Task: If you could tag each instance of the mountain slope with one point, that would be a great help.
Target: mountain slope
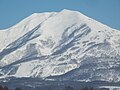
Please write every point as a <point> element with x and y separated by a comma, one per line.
<point>60,45</point>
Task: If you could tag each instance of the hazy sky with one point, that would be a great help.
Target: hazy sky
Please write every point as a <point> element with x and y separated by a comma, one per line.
<point>105,11</point>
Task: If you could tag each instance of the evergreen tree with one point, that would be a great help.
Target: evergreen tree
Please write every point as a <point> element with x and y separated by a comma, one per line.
<point>5,88</point>
<point>69,88</point>
<point>1,88</point>
<point>17,88</point>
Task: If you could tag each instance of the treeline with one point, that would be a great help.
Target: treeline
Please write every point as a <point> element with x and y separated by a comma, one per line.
<point>65,88</point>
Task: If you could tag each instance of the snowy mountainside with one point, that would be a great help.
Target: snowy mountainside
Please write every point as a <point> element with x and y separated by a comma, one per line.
<point>60,45</point>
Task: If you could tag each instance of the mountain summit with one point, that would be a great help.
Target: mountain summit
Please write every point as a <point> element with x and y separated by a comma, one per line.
<point>64,45</point>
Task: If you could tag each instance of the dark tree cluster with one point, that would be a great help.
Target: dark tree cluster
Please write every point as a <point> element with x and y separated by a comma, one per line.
<point>3,88</point>
<point>69,88</point>
<point>87,88</point>
<point>6,88</point>
<point>84,88</point>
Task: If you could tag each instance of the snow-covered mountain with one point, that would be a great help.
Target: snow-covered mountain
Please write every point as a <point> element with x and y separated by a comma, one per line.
<point>60,45</point>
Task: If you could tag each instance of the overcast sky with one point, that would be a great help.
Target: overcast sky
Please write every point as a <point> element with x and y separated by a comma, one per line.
<point>105,11</point>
